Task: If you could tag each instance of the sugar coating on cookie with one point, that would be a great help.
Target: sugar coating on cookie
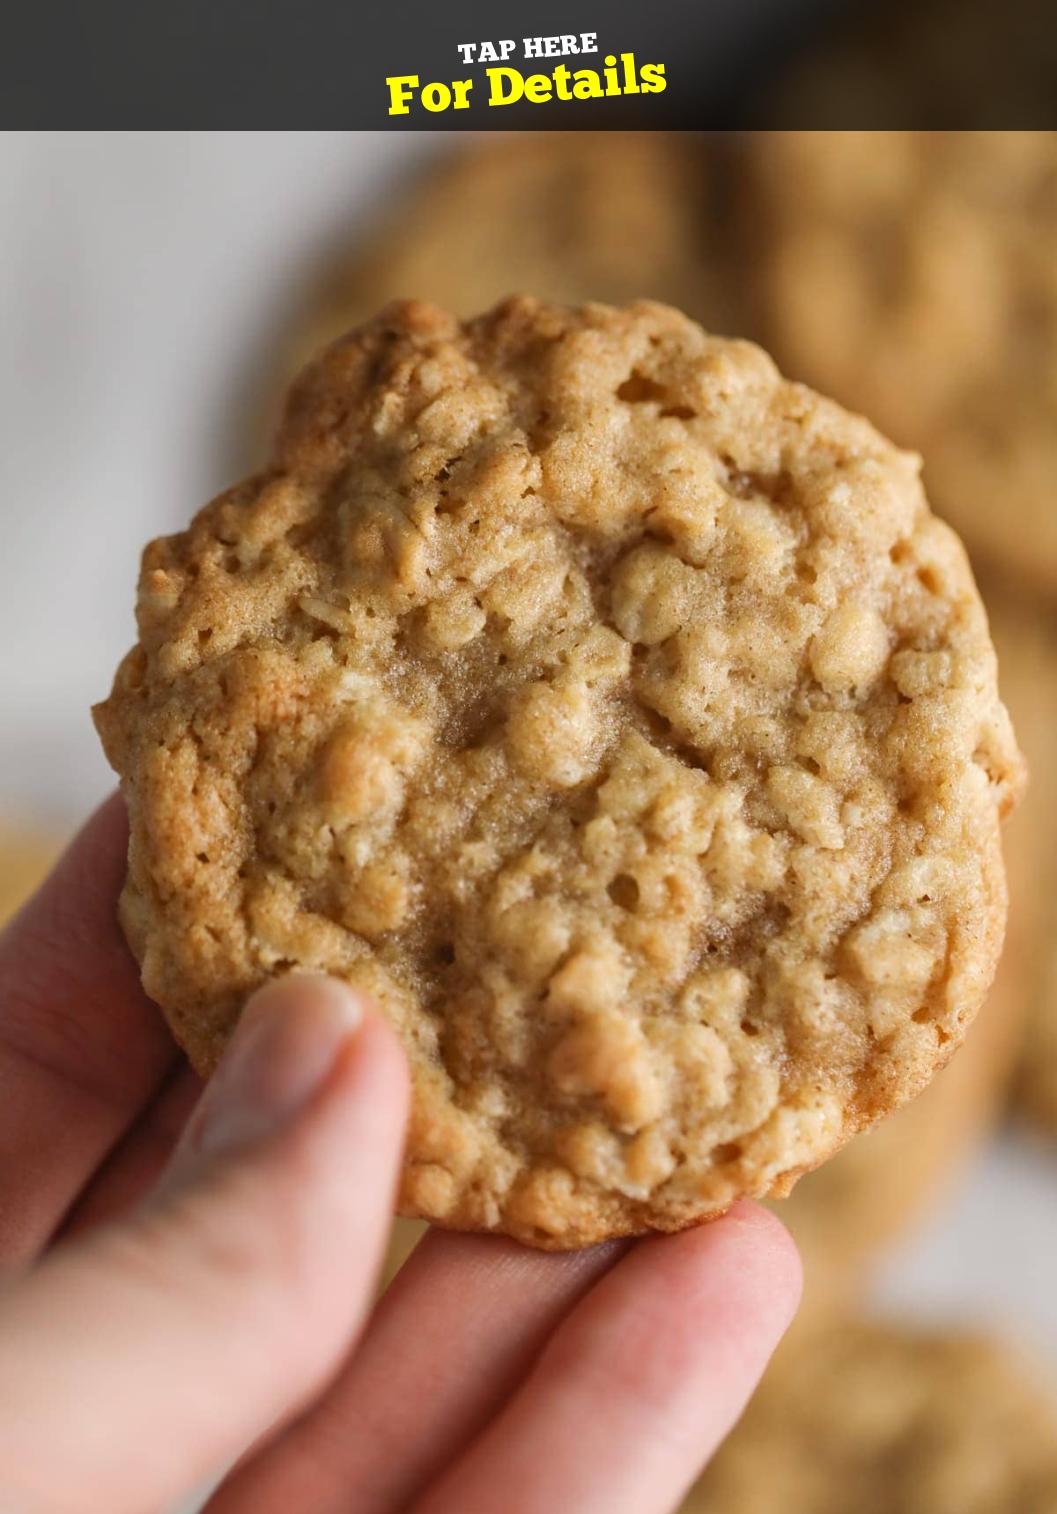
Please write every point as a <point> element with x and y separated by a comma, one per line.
<point>614,712</point>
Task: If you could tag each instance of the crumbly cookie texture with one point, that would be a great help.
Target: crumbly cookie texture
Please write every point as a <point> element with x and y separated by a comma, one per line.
<point>612,711</point>
<point>875,1418</point>
<point>913,275</point>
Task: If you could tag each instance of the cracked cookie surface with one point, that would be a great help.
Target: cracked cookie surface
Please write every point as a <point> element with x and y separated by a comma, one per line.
<point>613,711</point>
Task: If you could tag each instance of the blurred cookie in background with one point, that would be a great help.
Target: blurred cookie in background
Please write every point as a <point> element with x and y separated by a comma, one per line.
<point>566,216</point>
<point>1035,1090</point>
<point>403,1238</point>
<point>1025,639</point>
<point>25,857</point>
<point>913,275</point>
<point>872,1418</point>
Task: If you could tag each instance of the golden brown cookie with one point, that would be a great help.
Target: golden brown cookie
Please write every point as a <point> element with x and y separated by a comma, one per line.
<point>913,275</point>
<point>875,1419</point>
<point>612,710</point>
<point>567,216</point>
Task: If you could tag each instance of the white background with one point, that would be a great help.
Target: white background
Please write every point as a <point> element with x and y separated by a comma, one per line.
<point>144,281</point>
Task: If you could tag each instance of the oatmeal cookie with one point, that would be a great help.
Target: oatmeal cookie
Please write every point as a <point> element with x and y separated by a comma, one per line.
<point>913,275</point>
<point>871,1418</point>
<point>616,714</point>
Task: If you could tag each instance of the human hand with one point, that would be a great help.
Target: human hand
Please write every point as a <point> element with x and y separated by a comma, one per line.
<point>190,1275</point>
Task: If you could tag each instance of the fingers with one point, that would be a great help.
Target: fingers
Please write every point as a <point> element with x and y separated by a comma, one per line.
<point>642,1381</point>
<point>155,1351</point>
<point>134,1166</point>
<point>465,1321</point>
<point>81,1047</point>
<point>454,1334</point>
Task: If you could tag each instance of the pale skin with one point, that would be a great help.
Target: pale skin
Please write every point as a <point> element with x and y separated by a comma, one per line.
<point>190,1275</point>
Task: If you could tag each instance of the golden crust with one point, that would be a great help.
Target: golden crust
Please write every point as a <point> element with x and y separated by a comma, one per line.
<point>615,713</point>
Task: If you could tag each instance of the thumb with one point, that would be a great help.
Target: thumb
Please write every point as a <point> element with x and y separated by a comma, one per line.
<point>134,1364</point>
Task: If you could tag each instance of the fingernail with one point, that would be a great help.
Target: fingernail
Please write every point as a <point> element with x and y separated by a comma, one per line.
<point>288,1040</point>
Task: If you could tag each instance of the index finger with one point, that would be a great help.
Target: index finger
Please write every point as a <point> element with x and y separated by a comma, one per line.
<point>82,1049</point>
<point>641,1382</point>
<point>449,1342</point>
